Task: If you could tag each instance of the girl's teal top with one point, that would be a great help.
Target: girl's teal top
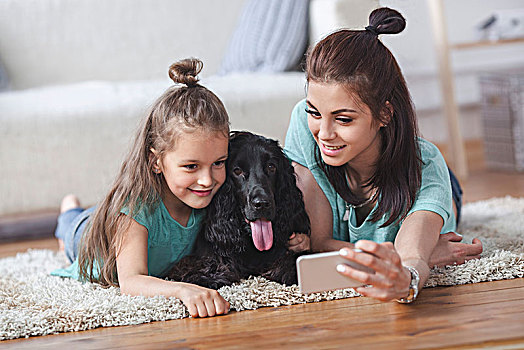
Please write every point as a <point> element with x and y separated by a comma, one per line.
<point>167,240</point>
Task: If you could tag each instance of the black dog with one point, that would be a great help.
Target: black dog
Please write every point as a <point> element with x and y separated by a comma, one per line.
<point>250,219</point>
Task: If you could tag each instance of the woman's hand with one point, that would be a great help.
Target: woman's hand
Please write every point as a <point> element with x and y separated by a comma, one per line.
<point>391,279</point>
<point>298,242</point>
<point>449,250</point>
<point>202,302</point>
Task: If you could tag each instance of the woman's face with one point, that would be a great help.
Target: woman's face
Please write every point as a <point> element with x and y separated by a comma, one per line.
<point>342,126</point>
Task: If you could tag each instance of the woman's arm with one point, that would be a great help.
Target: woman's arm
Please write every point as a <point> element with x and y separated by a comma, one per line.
<point>450,250</point>
<point>134,279</point>
<point>413,246</point>
<point>417,239</point>
<point>319,212</point>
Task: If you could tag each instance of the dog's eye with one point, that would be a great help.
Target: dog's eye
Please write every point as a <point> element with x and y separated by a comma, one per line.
<point>238,171</point>
<point>271,168</point>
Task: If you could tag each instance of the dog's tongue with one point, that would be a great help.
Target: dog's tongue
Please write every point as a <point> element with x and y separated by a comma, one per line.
<point>262,232</point>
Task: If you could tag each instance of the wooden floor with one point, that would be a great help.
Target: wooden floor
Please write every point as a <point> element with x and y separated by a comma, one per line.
<point>470,316</point>
<point>483,315</point>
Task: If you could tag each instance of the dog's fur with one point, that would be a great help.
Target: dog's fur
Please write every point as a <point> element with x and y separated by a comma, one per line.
<point>260,183</point>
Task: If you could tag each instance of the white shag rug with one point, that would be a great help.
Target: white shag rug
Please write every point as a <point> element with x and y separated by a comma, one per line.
<point>34,303</point>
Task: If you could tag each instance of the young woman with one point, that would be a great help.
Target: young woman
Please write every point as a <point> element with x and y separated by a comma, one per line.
<point>369,181</point>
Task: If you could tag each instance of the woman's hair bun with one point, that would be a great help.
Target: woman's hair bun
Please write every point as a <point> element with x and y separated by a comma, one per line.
<point>385,20</point>
<point>185,71</point>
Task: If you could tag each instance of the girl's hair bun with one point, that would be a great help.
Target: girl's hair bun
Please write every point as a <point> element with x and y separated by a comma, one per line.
<point>385,20</point>
<point>186,71</point>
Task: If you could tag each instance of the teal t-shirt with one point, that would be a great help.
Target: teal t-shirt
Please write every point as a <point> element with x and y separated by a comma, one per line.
<point>167,240</point>
<point>434,193</point>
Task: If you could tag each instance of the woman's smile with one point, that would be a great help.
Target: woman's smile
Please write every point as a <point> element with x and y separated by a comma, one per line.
<point>331,150</point>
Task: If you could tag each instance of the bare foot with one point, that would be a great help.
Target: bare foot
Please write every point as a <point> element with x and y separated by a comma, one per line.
<point>61,245</point>
<point>70,201</point>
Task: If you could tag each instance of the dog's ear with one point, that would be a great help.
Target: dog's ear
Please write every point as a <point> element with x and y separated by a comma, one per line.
<point>222,226</point>
<point>291,211</point>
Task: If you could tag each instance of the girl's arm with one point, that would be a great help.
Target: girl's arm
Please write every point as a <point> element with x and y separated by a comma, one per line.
<point>134,279</point>
<point>319,212</point>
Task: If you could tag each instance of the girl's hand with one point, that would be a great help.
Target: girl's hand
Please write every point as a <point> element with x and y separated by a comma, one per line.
<point>449,250</point>
<point>391,279</point>
<point>299,242</point>
<point>202,302</point>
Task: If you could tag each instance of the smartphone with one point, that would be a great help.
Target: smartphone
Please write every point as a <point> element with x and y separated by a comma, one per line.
<point>318,272</point>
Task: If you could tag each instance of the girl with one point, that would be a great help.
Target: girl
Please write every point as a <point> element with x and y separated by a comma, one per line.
<point>367,179</point>
<point>150,217</point>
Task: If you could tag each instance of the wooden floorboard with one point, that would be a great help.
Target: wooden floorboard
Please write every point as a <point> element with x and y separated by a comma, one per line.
<point>28,226</point>
<point>452,317</point>
<point>486,315</point>
<point>12,248</point>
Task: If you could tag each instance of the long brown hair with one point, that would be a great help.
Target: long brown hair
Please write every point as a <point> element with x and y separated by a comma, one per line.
<point>183,107</point>
<point>358,60</point>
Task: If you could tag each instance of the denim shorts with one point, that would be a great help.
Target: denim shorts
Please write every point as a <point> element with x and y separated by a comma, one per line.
<point>71,225</point>
<point>456,192</point>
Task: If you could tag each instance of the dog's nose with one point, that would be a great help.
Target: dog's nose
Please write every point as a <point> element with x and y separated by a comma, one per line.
<point>260,203</point>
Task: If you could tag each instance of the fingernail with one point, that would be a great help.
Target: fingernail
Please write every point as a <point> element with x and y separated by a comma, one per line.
<point>341,268</point>
<point>343,252</point>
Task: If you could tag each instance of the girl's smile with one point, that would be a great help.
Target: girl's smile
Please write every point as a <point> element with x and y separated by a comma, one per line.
<point>202,193</point>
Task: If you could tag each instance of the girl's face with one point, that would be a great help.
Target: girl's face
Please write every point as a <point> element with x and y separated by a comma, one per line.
<point>195,169</point>
<point>342,126</point>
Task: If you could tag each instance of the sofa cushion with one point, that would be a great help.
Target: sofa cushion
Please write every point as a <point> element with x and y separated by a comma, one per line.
<point>259,102</point>
<point>72,138</point>
<point>4,80</point>
<point>271,36</point>
<point>66,139</point>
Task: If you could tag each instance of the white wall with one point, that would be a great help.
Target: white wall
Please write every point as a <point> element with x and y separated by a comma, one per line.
<point>60,41</point>
<point>414,50</point>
